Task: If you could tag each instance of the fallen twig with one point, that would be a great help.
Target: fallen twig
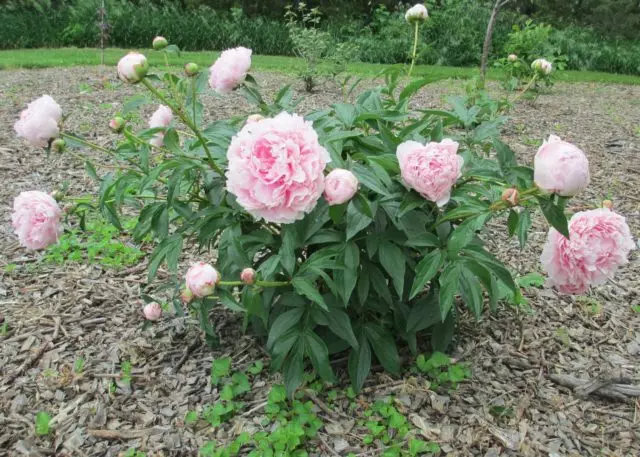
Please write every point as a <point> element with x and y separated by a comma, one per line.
<point>619,388</point>
<point>187,352</point>
<point>125,434</point>
<point>30,361</point>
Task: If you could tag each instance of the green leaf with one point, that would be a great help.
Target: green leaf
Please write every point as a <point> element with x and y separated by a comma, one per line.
<point>169,249</point>
<point>229,301</point>
<point>369,179</point>
<point>471,292</point>
<point>413,87</point>
<point>448,288</point>
<point>283,323</point>
<point>319,355</point>
<point>356,221</point>
<point>464,233</point>
<point>554,215</point>
<point>293,369</point>
<point>493,264</point>
<point>287,250</point>
<point>359,363</point>
<point>340,324</point>
<point>42,423</point>
<point>345,113</point>
<point>220,368</point>
<point>522,229</point>
<point>442,333</point>
<point>347,278</point>
<point>252,303</point>
<point>384,347</point>
<point>424,313</point>
<point>308,289</point>
<point>512,221</point>
<point>426,270</point>
<point>91,171</point>
<point>393,261</point>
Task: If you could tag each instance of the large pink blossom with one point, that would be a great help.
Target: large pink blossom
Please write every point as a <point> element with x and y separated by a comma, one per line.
<point>36,219</point>
<point>161,118</point>
<point>230,70</point>
<point>599,242</point>
<point>561,167</point>
<point>430,169</point>
<point>276,168</point>
<point>39,122</point>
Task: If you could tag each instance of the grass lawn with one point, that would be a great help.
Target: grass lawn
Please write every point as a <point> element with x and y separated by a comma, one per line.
<point>65,57</point>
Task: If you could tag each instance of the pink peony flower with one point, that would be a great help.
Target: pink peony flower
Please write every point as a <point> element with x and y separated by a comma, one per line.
<point>36,219</point>
<point>39,122</point>
<point>543,66</point>
<point>430,169</point>
<point>600,241</point>
<point>416,13</point>
<point>512,58</point>
<point>276,168</point>
<point>340,186</point>
<point>152,311</point>
<point>201,279</point>
<point>510,196</point>
<point>161,118</point>
<point>230,70</point>
<point>248,276</point>
<point>133,67</point>
<point>561,168</point>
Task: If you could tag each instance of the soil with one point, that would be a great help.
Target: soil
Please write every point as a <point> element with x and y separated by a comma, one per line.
<point>516,404</point>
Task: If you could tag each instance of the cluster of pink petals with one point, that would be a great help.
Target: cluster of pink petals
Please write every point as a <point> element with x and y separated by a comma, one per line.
<point>161,118</point>
<point>561,168</point>
<point>340,186</point>
<point>132,67</point>
<point>39,122</point>
<point>36,219</point>
<point>201,279</point>
<point>276,168</point>
<point>599,242</point>
<point>430,169</point>
<point>152,311</point>
<point>248,276</point>
<point>230,69</point>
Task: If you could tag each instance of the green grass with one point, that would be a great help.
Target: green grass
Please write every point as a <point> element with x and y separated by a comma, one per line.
<point>67,57</point>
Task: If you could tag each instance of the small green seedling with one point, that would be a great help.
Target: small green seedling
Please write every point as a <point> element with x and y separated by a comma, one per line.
<point>78,365</point>
<point>42,423</point>
<point>220,368</point>
<point>441,370</point>
<point>190,418</point>
<point>125,372</point>
<point>256,368</point>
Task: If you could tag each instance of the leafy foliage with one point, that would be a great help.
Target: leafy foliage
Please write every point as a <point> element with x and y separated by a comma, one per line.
<point>42,423</point>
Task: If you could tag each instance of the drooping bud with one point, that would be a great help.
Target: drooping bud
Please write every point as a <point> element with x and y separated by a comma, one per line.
<point>607,204</point>
<point>191,69</point>
<point>417,13</point>
<point>510,196</point>
<point>58,145</point>
<point>248,276</point>
<point>152,311</point>
<point>186,296</point>
<point>117,124</point>
<point>133,67</point>
<point>159,43</point>
<point>512,58</point>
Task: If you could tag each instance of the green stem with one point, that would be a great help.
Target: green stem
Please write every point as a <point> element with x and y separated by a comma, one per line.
<point>527,87</point>
<point>187,122</point>
<point>97,147</point>
<point>193,99</point>
<point>257,283</point>
<point>415,46</point>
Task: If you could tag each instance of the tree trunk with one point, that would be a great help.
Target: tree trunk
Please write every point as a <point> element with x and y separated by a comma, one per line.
<point>488,37</point>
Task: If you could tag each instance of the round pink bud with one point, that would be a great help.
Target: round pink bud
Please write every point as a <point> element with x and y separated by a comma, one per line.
<point>512,58</point>
<point>248,276</point>
<point>186,296</point>
<point>542,66</point>
<point>561,168</point>
<point>191,69</point>
<point>201,279</point>
<point>58,145</point>
<point>162,117</point>
<point>252,118</point>
<point>276,168</point>
<point>230,70</point>
<point>607,204</point>
<point>159,43</point>
<point>133,67</point>
<point>340,186</point>
<point>152,311</point>
<point>38,124</point>
<point>510,196</point>
<point>417,13</point>
<point>36,219</point>
<point>599,242</point>
<point>430,169</point>
<point>117,124</point>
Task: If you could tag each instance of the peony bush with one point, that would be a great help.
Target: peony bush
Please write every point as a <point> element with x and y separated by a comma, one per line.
<point>356,229</point>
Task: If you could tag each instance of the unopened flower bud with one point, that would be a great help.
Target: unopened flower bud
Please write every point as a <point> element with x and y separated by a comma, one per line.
<point>152,311</point>
<point>117,124</point>
<point>57,195</point>
<point>201,279</point>
<point>133,67</point>
<point>417,13</point>
<point>542,66</point>
<point>186,296</point>
<point>248,276</point>
<point>159,43</point>
<point>252,118</point>
<point>58,145</point>
<point>607,204</point>
<point>512,58</point>
<point>191,69</point>
<point>510,196</point>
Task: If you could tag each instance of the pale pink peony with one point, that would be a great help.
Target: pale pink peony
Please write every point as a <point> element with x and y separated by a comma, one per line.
<point>161,118</point>
<point>543,66</point>
<point>340,186</point>
<point>152,311</point>
<point>430,169</point>
<point>561,168</point>
<point>276,168</point>
<point>512,58</point>
<point>248,276</point>
<point>36,219</point>
<point>133,67</point>
<point>600,241</point>
<point>416,13</point>
<point>39,122</point>
<point>230,70</point>
<point>201,279</point>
